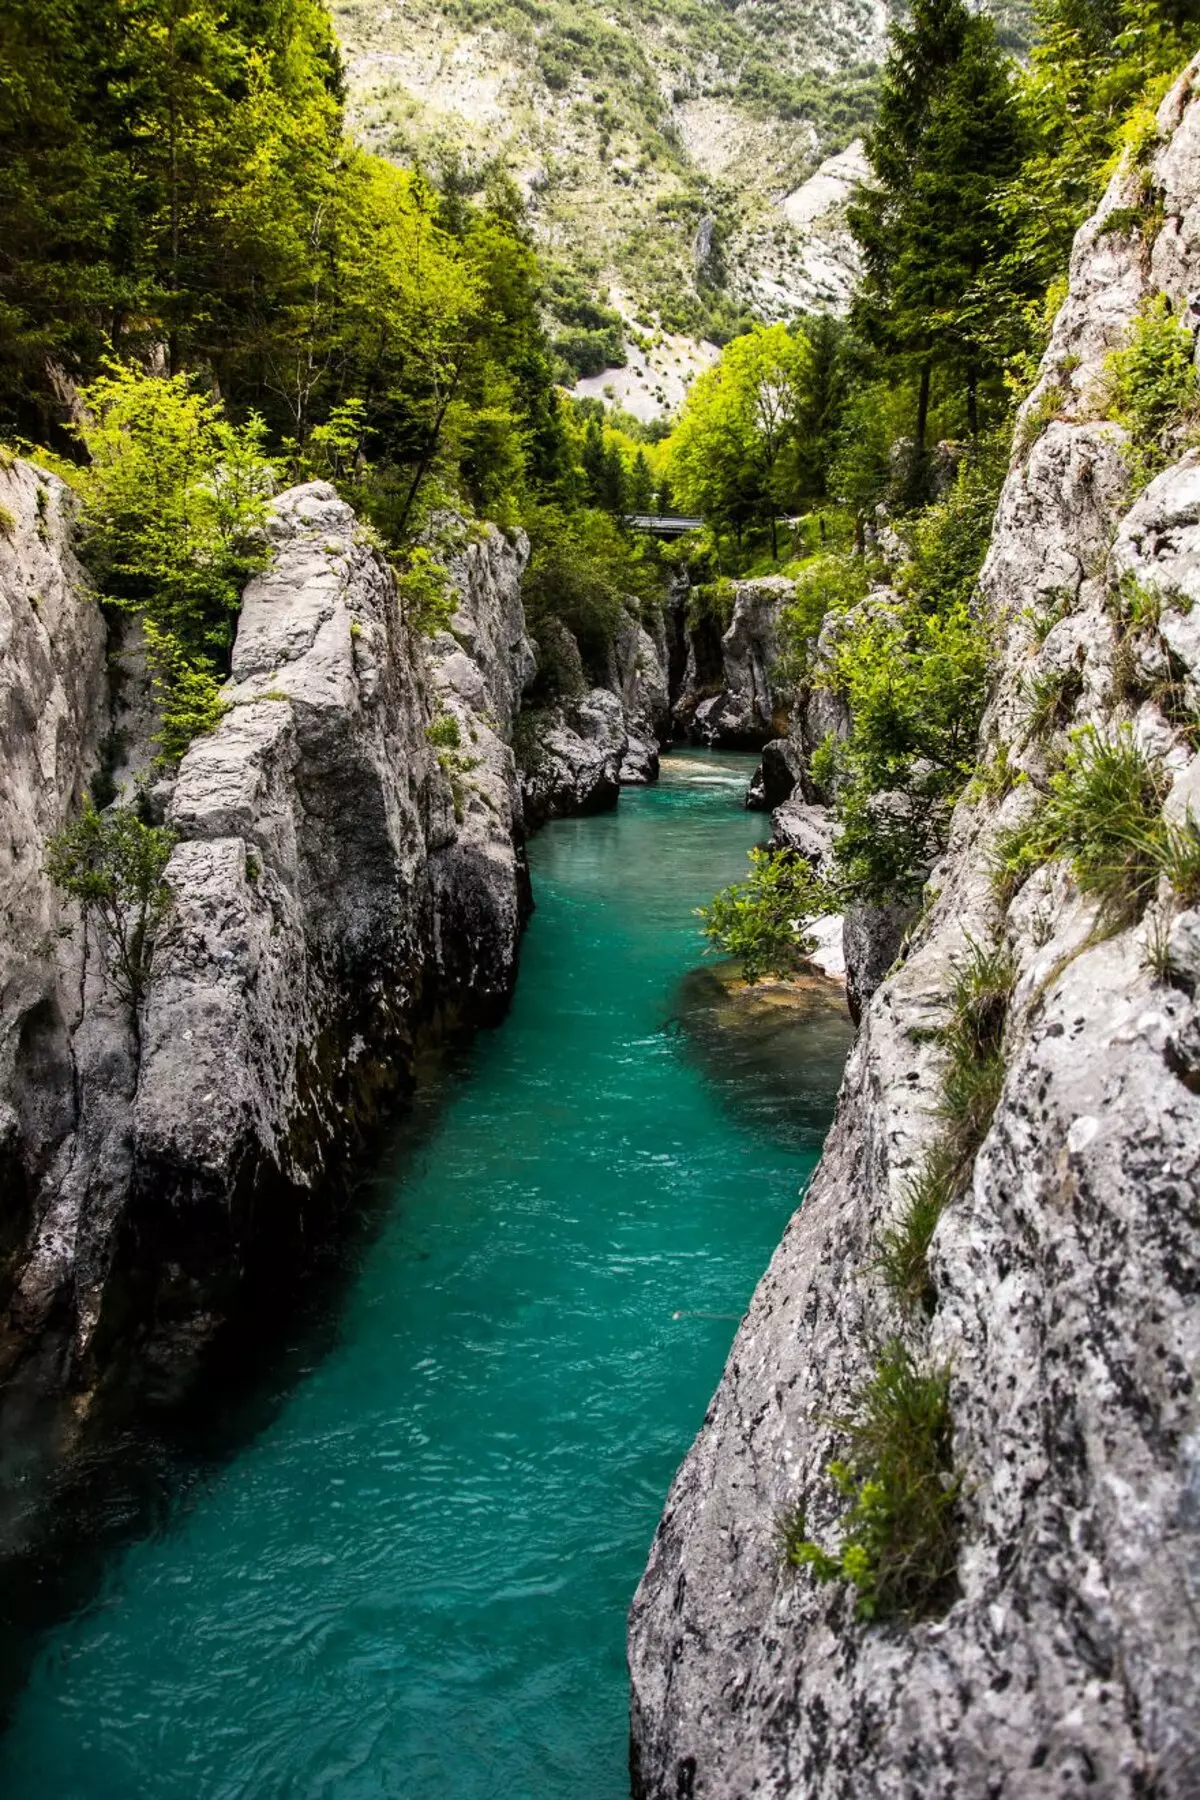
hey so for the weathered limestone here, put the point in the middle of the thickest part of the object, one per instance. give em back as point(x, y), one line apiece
point(580, 751)
point(1066, 1276)
point(349, 858)
point(731, 694)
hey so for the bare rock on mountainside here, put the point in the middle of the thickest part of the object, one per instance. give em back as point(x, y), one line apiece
point(732, 693)
point(1066, 1275)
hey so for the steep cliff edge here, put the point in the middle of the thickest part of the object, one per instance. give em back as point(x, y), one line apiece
point(349, 860)
point(1065, 1273)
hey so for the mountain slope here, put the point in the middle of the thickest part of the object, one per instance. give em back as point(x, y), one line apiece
point(662, 145)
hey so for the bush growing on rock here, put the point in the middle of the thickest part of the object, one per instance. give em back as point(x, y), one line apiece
point(1153, 387)
point(899, 1543)
point(176, 497)
point(763, 921)
point(112, 864)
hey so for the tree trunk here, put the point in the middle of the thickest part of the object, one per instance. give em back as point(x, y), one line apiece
point(922, 413)
point(774, 537)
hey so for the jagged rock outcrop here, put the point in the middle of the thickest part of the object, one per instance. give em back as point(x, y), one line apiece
point(731, 693)
point(349, 858)
point(1066, 1275)
point(573, 758)
point(639, 679)
point(577, 752)
point(53, 723)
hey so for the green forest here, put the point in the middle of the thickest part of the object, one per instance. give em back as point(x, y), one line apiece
point(207, 288)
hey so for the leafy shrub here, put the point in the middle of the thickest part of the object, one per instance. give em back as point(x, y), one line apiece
point(914, 675)
point(831, 583)
point(1152, 387)
point(827, 765)
point(442, 732)
point(898, 1545)
point(581, 569)
point(428, 598)
point(175, 498)
point(113, 863)
point(763, 919)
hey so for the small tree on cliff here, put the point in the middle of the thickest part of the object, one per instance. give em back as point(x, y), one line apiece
point(947, 138)
point(113, 864)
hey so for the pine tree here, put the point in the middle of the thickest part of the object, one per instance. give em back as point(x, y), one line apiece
point(947, 139)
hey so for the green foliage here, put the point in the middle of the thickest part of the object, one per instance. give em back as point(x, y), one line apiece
point(112, 864)
point(1096, 72)
point(898, 1546)
point(902, 1247)
point(827, 765)
point(1050, 697)
point(175, 499)
point(914, 677)
point(582, 569)
point(971, 1080)
point(736, 453)
point(8, 522)
point(427, 596)
point(1103, 813)
point(1152, 387)
point(442, 732)
point(948, 137)
point(824, 585)
point(973, 1039)
point(763, 920)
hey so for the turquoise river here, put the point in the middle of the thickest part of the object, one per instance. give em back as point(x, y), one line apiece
point(411, 1578)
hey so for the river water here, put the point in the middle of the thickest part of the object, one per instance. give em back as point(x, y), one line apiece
point(412, 1580)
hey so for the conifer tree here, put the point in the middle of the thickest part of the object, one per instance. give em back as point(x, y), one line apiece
point(946, 140)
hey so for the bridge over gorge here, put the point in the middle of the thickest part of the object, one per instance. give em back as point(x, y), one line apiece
point(664, 525)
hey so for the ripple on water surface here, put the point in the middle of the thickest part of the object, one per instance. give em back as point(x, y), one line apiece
point(413, 1581)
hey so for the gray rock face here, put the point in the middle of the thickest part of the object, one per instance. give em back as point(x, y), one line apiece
point(780, 771)
point(639, 679)
point(349, 857)
point(749, 704)
point(55, 1131)
point(575, 766)
point(1066, 1274)
point(578, 753)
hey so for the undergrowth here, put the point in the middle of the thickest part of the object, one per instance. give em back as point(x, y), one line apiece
point(898, 1538)
point(1103, 813)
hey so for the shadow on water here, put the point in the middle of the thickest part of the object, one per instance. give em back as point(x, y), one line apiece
point(136, 1454)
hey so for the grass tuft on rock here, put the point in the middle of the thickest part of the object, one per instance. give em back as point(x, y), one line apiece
point(898, 1545)
point(971, 1082)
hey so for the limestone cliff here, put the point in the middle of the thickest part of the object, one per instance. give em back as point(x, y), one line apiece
point(349, 860)
point(731, 693)
point(1065, 1274)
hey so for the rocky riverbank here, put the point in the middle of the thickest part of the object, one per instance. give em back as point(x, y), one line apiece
point(1065, 1275)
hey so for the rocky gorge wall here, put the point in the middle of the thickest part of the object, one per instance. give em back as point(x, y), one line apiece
point(349, 866)
point(1067, 1306)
